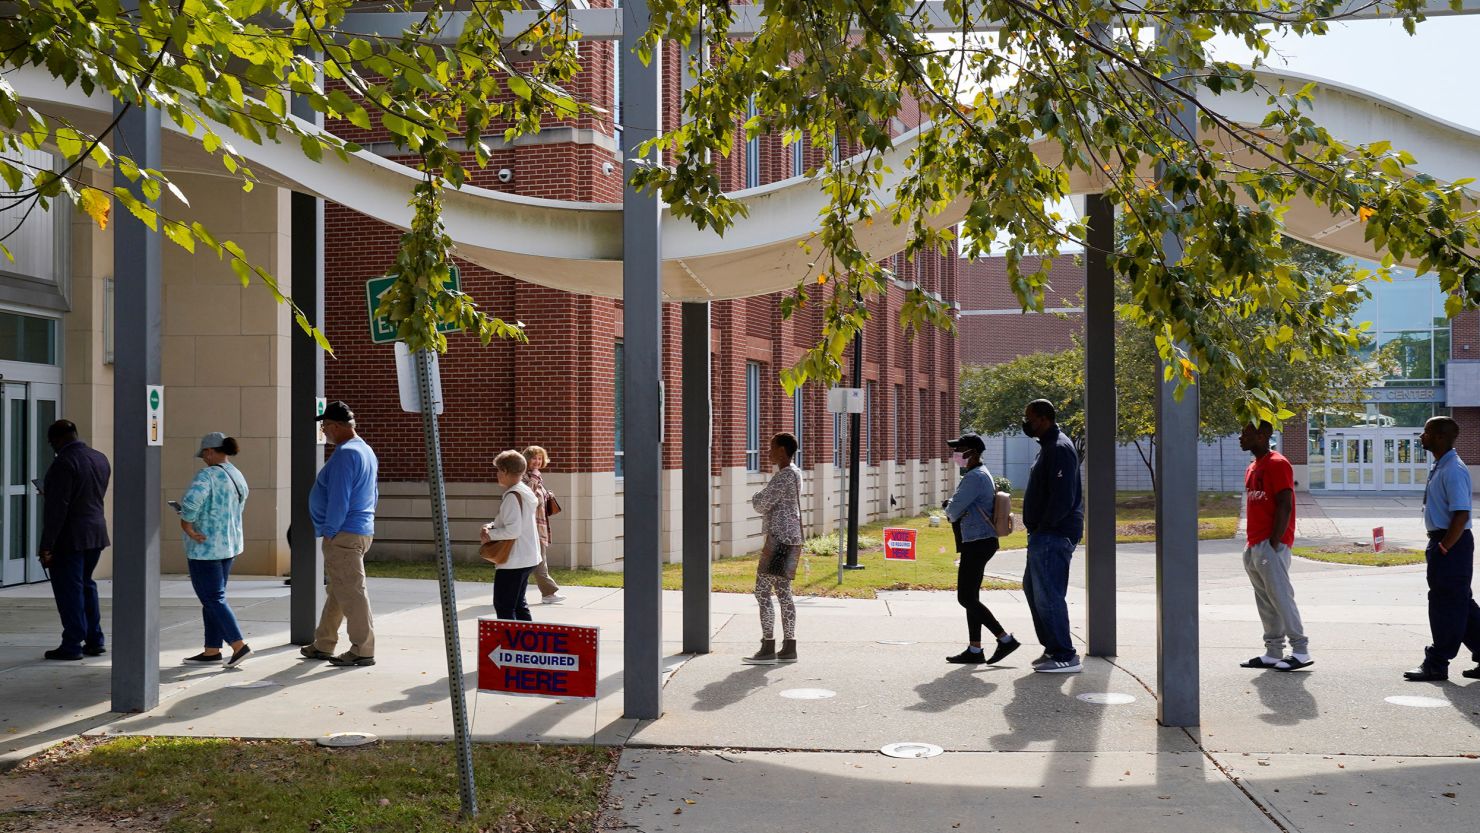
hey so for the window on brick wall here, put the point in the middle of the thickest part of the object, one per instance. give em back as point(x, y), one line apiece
point(752, 151)
point(945, 414)
point(798, 159)
point(897, 449)
point(620, 378)
point(617, 86)
point(752, 416)
point(927, 427)
point(797, 412)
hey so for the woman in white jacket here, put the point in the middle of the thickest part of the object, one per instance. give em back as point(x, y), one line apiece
point(515, 521)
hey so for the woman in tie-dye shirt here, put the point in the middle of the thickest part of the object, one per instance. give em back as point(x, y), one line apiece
point(211, 517)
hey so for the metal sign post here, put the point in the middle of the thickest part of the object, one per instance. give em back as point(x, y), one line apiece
point(842, 401)
point(429, 408)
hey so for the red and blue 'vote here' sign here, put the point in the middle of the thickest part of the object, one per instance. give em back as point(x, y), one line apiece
point(537, 658)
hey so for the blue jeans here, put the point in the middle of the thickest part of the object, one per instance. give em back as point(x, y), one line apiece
point(1045, 583)
point(208, 577)
point(76, 595)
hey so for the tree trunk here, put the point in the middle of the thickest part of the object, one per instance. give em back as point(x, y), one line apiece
point(1148, 456)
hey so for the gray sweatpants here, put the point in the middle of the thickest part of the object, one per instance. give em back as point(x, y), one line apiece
point(1269, 571)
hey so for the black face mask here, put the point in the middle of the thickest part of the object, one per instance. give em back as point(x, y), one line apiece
point(1027, 428)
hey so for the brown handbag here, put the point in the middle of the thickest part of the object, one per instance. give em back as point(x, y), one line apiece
point(552, 507)
point(498, 552)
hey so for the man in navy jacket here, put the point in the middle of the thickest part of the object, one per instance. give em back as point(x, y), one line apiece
point(1053, 513)
point(73, 535)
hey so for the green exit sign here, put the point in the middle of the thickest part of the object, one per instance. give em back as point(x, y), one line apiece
point(381, 331)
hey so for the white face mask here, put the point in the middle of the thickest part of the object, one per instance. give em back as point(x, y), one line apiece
point(959, 459)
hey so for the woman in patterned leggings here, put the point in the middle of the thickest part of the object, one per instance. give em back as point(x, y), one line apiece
point(780, 505)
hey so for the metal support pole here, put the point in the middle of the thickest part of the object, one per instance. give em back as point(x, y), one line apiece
point(1177, 668)
point(855, 472)
point(842, 495)
point(697, 438)
point(1100, 421)
point(438, 489)
point(642, 262)
point(306, 372)
point(138, 268)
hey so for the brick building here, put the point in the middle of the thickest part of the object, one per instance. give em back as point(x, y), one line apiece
point(561, 389)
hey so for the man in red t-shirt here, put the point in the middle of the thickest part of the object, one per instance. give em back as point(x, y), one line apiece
point(1269, 494)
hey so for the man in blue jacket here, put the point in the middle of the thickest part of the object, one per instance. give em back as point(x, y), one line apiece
point(342, 505)
point(73, 535)
point(1053, 514)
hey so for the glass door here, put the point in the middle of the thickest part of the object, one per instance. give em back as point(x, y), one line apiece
point(42, 410)
point(25, 412)
point(14, 525)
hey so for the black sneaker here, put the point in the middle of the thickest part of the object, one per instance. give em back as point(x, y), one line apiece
point(1472, 673)
point(238, 656)
point(968, 657)
point(94, 650)
point(1004, 648)
point(62, 655)
point(204, 657)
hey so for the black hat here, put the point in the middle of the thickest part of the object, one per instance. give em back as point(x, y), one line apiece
point(967, 441)
point(336, 411)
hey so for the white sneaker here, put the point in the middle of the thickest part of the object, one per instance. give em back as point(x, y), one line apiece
point(552, 599)
point(1058, 666)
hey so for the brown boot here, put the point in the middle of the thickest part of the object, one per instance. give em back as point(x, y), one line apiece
point(788, 652)
point(765, 656)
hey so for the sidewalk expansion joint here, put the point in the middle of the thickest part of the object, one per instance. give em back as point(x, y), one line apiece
point(1217, 764)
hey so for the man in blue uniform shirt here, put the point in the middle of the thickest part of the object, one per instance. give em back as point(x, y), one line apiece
point(1454, 619)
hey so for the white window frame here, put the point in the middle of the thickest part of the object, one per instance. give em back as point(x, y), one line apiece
point(898, 451)
point(619, 373)
point(752, 416)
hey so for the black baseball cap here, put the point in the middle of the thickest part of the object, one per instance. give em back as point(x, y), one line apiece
point(968, 441)
point(336, 411)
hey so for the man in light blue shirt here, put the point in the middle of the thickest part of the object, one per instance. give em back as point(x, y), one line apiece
point(1454, 618)
point(342, 505)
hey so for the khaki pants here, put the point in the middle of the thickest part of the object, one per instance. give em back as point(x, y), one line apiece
point(547, 585)
point(345, 600)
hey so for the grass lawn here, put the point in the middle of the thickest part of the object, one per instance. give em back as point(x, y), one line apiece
point(1360, 557)
point(236, 786)
point(935, 568)
point(1135, 516)
point(818, 576)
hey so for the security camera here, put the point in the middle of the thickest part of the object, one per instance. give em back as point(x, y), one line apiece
point(505, 175)
point(526, 49)
point(607, 168)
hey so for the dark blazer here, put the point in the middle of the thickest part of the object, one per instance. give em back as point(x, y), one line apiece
point(73, 500)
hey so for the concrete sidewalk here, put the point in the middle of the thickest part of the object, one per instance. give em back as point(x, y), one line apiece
point(1346, 518)
point(1324, 750)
